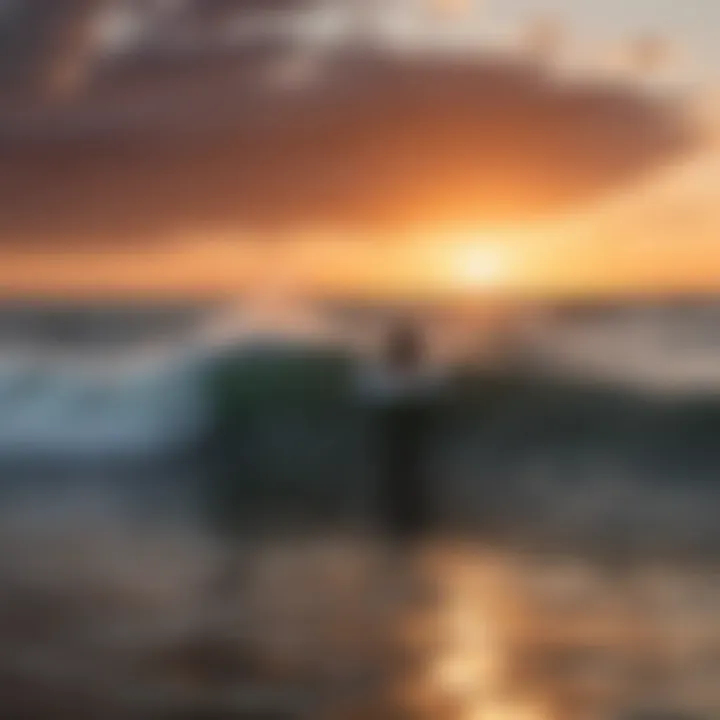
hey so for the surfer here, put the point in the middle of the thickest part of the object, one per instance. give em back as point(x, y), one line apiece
point(400, 387)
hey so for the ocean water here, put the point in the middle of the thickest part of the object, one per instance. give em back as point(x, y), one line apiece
point(574, 573)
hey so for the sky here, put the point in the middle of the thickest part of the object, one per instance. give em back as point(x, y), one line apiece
point(691, 23)
point(647, 224)
point(600, 25)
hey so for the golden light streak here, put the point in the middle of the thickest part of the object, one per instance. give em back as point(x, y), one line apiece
point(473, 669)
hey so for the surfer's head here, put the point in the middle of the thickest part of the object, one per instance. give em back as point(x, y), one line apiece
point(404, 348)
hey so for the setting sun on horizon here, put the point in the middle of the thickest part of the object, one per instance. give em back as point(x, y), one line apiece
point(480, 263)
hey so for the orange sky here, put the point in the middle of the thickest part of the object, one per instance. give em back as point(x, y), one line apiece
point(663, 234)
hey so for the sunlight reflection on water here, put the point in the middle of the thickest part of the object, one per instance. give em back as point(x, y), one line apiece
point(337, 623)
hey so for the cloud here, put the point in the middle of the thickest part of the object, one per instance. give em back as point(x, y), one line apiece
point(41, 41)
point(374, 140)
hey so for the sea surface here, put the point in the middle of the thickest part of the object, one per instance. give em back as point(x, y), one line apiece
point(575, 572)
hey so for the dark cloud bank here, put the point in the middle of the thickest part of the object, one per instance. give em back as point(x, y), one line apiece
point(164, 141)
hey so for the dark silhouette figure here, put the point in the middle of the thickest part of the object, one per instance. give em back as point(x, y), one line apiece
point(403, 427)
point(405, 348)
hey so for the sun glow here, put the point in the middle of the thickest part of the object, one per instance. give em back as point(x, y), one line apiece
point(478, 264)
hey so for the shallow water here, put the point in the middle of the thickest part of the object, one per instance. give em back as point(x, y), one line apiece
point(116, 603)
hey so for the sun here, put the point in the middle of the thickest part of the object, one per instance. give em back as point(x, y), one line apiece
point(478, 265)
